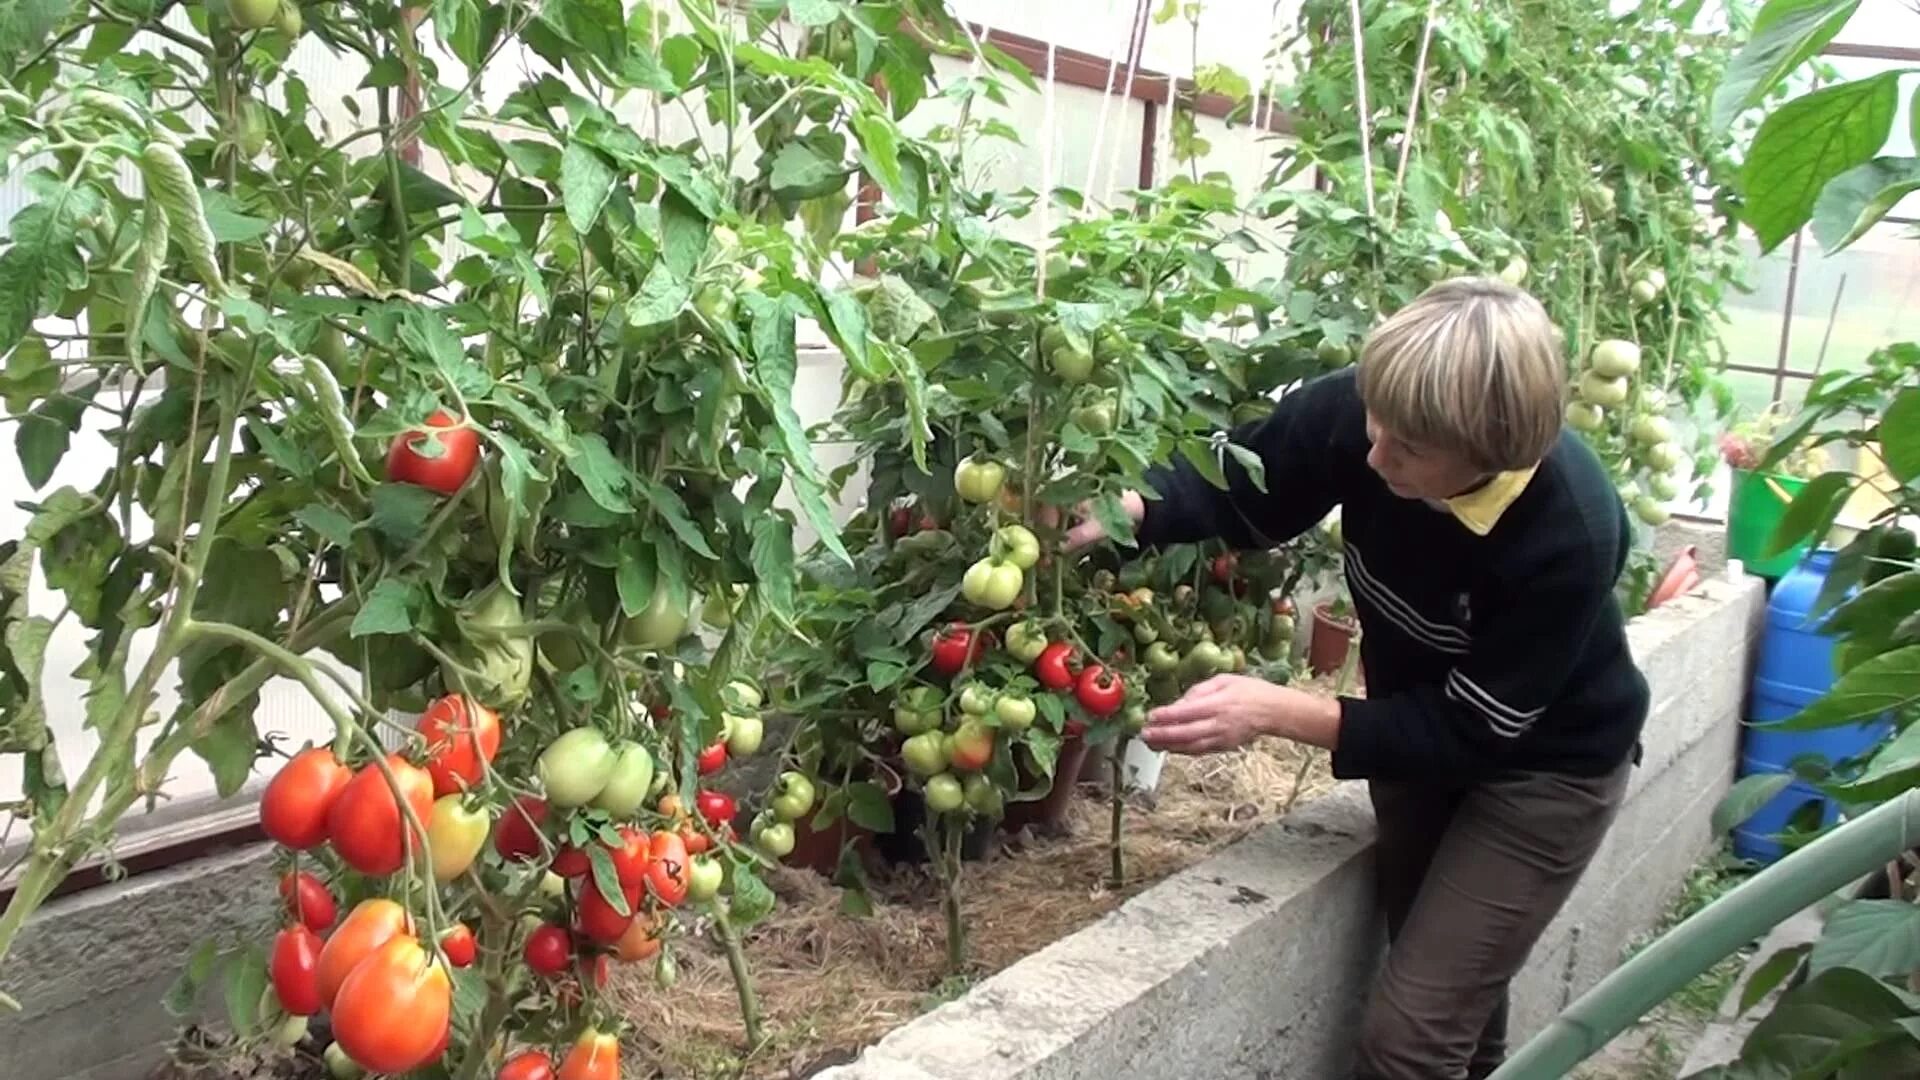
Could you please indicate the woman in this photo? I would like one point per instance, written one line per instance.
(1503, 709)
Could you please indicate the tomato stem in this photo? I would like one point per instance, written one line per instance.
(1118, 855)
(742, 976)
(947, 857)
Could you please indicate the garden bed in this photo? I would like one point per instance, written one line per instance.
(831, 983)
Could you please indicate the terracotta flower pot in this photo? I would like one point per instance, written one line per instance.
(819, 849)
(1048, 812)
(1332, 637)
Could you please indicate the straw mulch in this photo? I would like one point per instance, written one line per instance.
(830, 983)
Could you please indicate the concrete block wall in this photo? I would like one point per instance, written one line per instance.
(1251, 965)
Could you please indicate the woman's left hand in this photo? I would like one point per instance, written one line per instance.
(1230, 711)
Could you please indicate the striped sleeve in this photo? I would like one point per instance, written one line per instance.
(1503, 684)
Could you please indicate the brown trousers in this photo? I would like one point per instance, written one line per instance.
(1468, 880)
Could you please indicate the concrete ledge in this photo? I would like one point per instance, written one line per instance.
(1253, 965)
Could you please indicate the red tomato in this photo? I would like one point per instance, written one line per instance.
(899, 521)
(366, 824)
(394, 1011)
(1054, 666)
(1100, 691)
(462, 736)
(517, 837)
(694, 840)
(713, 758)
(1225, 565)
(630, 859)
(716, 806)
(599, 920)
(527, 1065)
(548, 950)
(571, 861)
(459, 453)
(594, 1057)
(295, 968)
(457, 942)
(371, 924)
(294, 808)
(307, 900)
(1282, 605)
(667, 875)
(954, 646)
(596, 969)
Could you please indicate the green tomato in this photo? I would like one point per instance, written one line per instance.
(776, 840)
(1643, 293)
(1014, 712)
(1206, 659)
(1615, 359)
(628, 784)
(553, 887)
(992, 584)
(714, 301)
(1161, 657)
(575, 767)
(289, 21)
(979, 481)
(1515, 271)
(1596, 389)
(1649, 510)
(658, 626)
(917, 710)
(253, 14)
(793, 799)
(1661, 486)
(1144, 633)
(976, 700)
(984, 798)
(1333, 353)
(290, 1031)
(744, 734)
(704, 875)
(944, 794)
(1018, 545)
(1664, 457)
(1098, 418)
(925, 754)
(1071, 363)
(741, 694)
(1652, 429)
(1133, 720)
(716, 612)
(1585, 416)
(1026, 641)
(339, 1065)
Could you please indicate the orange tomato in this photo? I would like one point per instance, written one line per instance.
(371, 924)
(462, 737)
(527, 1065)
(366, 824)
(296, 804)
(394, 1011)
(670, 805)
(594, 1057)
(641, 941)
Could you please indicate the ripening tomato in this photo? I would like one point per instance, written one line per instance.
(693, 839)
(1100, 691)
(548, 950)
(667, 873)
(716, 806)
(457, 942)
(294, 808)
(447, 473)
(527, 1065)
(954, 646)
(1054, 668)
(394, 1012)
(713, 758)
(594, 1057)
(367, 826)
(517, 837)
(571, 861)
(307, 900)
(462, 737)
(295, 969)
(641, 941)
(371, 924)
(457, 832)
(631, 858)
(598, 919)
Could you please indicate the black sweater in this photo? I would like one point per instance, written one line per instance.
(1483, 653)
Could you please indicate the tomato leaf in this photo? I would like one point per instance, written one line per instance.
(667, 502)
(1786, 34)
(1857, 200)
(400, 511)
(635, 575)
(663, 296)
(1877, 605)
(1886, 682)
(230, 746)
(1250, 461)
(869, 807)
(752, 900)
(1111, 513)
(605, 479)
(390, 608)
(772, 557)
(182, 998)
(585, 182)
(773, 349)
(330, 524)
(683, 234)
(1812, 511)
(1045, 745)
(813, 12)
(882, 674)
(606, 879)
(246, 982)
(1900, 436)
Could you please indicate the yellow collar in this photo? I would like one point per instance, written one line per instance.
(1480, 509)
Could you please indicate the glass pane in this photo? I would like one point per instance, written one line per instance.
(1876, 284)
(1752, 331)
(1881, 22)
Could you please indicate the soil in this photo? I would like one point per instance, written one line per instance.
(830, 982)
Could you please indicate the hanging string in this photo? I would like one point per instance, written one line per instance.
(1114, 62)
(1137, 47)
(1046, 174)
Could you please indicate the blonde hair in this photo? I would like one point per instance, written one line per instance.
(1470, 367)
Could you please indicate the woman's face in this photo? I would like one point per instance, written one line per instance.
(1413, 471)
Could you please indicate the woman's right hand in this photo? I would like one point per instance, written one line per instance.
(1090, 531)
